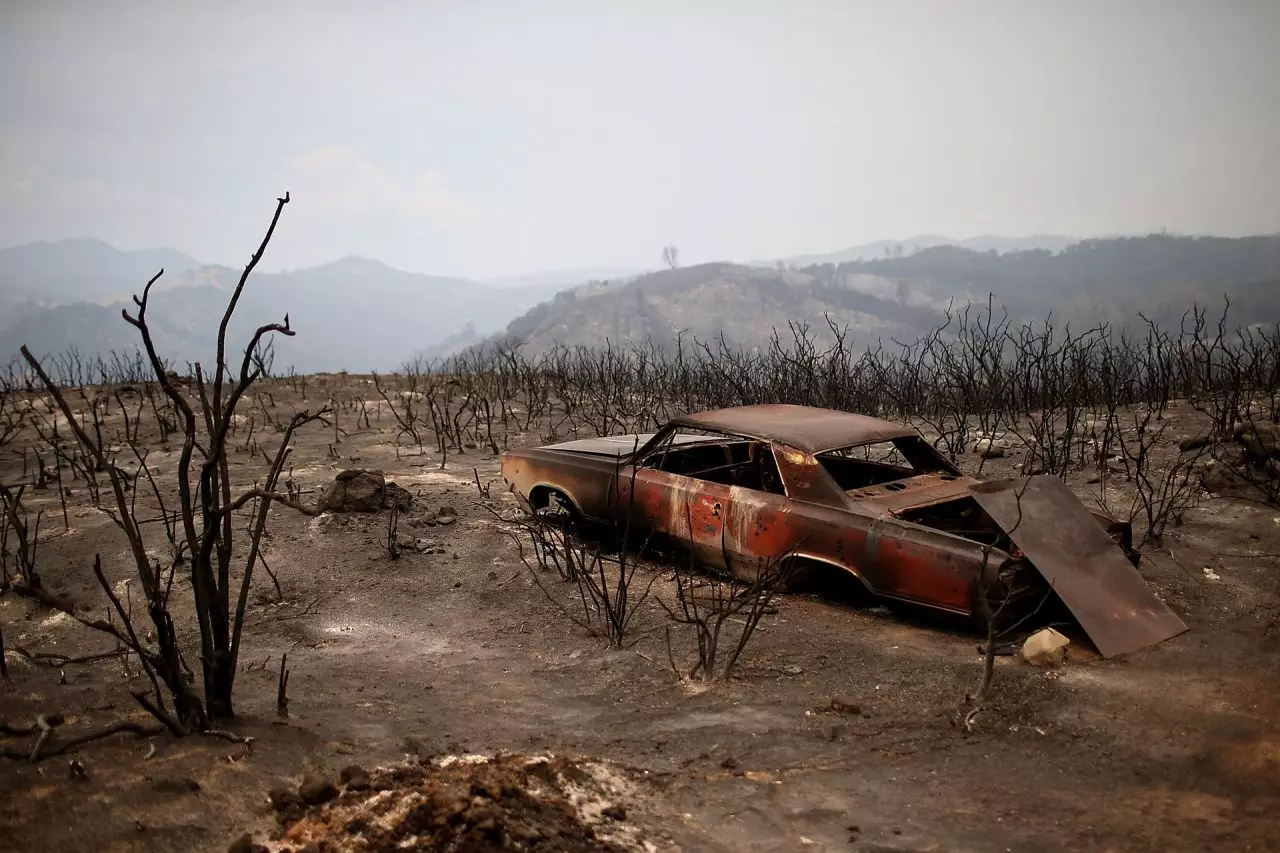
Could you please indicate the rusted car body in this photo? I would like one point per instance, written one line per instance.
(865, 498)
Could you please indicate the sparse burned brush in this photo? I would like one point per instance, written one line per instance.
(452, 636)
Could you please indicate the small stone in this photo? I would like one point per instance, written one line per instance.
(246, 844)
(614, 812)
(1045, 647)
(729, 763)
(428, 546)
(283, 799)
(420, 749)
(317, 789)
(446, 519)
(1195, 442)
(355, 778)
(991, 448)
(846, 705)
(792, 670)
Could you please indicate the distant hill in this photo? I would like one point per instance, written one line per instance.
(355, 314)
(701, 302)
(1105, 279)
(889, 248)
(359, 314)
(80, 270)
(1087, 282)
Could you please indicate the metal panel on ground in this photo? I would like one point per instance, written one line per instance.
(1089, 572)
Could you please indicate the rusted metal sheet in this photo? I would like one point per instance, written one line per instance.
(1065, 543)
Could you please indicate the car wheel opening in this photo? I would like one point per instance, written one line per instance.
(832, 583)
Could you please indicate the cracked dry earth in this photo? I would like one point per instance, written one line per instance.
(421, 669)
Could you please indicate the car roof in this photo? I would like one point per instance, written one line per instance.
(805, 428)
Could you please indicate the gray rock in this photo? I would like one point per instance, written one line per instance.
(428, 546)
(355, 490)
(283, 799)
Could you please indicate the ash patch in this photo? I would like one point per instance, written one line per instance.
(473, 803)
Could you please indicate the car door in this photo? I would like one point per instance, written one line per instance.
(688, 511)
(762, 524)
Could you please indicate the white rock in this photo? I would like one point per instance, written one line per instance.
(991, 448)
(1045, 647)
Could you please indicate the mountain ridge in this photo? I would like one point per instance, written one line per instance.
(885, 248)
(358, 313)
(1109, 280)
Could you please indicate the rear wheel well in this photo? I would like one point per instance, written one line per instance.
(806, 575)
(540, 497)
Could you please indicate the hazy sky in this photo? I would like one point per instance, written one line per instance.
(491, 138)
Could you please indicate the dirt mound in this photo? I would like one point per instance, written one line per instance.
(472, 804)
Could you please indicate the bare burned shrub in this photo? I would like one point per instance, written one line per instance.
(1162, 495)
(609, 589)
(708, 603)
(19, 541)
(200, 530)
(404, 404)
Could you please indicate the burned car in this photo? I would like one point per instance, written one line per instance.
(864, 499)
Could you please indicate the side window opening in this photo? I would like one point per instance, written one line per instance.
(880, 462)
(718, 458)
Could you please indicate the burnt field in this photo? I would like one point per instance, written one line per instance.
(174, 547)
